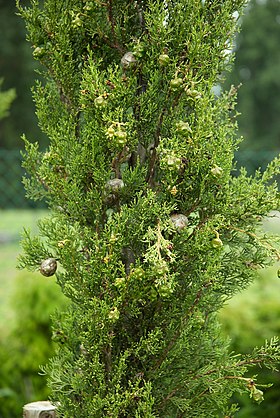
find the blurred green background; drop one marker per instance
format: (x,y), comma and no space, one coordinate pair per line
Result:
(27,300)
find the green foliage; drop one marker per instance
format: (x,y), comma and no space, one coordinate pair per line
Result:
(6,98)
(28,343)
(150,231)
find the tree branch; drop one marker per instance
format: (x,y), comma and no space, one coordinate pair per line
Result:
(184,320)
(111,19)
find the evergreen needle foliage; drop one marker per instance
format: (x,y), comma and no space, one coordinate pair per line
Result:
(149,233)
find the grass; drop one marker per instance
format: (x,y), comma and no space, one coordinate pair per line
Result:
(12,223)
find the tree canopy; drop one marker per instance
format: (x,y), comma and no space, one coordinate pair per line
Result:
(149,233)
(257,67)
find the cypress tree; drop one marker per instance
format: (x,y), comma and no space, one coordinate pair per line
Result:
(149,233)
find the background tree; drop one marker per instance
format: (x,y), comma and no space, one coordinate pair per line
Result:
(149,234)
(17,68)
(257,68)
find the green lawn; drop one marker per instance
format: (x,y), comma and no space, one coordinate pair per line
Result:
(12,223)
